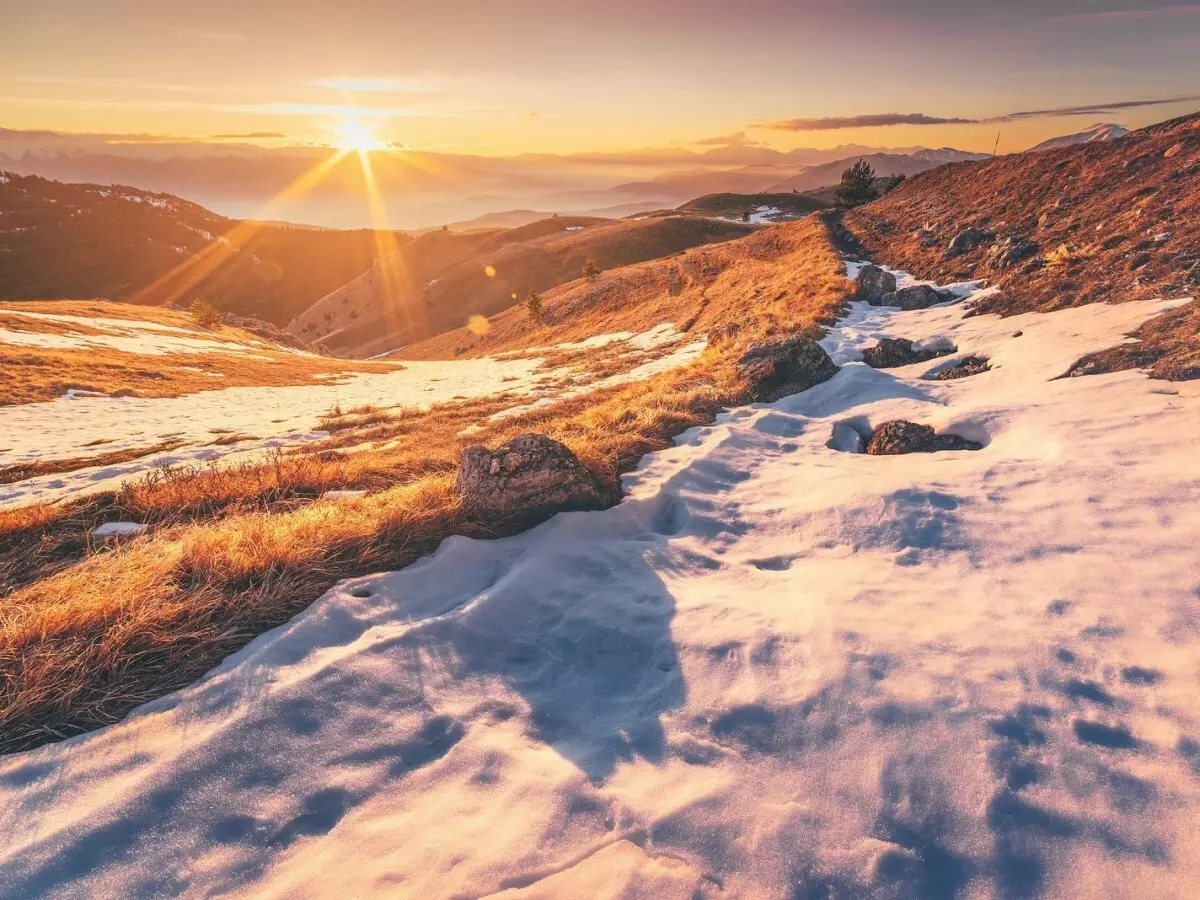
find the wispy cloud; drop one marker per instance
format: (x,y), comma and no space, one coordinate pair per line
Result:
(885,119)
(251,136)
(739,139)
(1141,14)
(207,34)
(383,85)
(879,120)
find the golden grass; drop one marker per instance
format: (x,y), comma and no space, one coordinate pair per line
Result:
(83,644)
(35,374)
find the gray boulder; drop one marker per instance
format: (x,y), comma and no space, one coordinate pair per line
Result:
(892,352)
(895,438)
(1011,250)
(529,478)
(917,296)
(783,366)
(872,283)
(967,240)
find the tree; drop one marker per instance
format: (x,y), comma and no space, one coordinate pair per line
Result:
(205,314)
(857,187)
(894,182)
(591,269)
(533,306)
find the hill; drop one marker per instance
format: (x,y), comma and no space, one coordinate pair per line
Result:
(755,207)
(1099,222)
(441,279)
(113,242)
(814,178)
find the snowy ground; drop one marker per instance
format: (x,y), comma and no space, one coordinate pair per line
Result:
(275,416)
(775,670)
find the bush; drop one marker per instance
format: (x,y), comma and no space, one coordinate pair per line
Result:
(894,182)
(205,314)
(591,269)
(857,187)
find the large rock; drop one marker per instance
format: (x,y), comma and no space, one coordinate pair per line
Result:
(872,283)
(895,438)
(967,240)
(917,296)
(892,352)
(529,478)
(1011,250)
(783,366)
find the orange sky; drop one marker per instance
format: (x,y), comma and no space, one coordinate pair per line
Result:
(541,76)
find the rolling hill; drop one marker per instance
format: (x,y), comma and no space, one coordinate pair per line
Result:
(441,279)
(112,242)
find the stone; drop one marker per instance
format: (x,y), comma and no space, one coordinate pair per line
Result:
(971,365)
(899,437)
(917,296)
(892,352)
(967,240)
(529,478)
(872,283)
(782,366)
(1011,250)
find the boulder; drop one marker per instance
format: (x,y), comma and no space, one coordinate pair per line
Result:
(967,240)
(892,352)
(1011,250)
(917,296)
(872,283)
(782,366)
(529,478)
(895,438)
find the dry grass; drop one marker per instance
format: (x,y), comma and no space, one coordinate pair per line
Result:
(35,374)
(81,646)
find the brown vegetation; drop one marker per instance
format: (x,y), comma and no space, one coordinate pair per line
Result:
(82,645)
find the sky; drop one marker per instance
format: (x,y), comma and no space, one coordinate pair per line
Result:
(566,76)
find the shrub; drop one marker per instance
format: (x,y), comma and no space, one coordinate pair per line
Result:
(591,269)
(894,182)
(857,187)
(205,314)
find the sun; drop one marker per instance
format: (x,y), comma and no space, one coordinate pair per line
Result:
(357,135)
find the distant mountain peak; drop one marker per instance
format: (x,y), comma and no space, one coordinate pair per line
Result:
(1101,131)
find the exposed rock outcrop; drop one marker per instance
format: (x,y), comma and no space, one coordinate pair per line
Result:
(967,240)
(971,365)
(892,352)
(1011,250)
(895,438)
(873,283)
(783,366)
(529,478)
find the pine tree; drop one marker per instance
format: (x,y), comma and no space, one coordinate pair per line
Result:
(857,187)
(533,306)
(591,269)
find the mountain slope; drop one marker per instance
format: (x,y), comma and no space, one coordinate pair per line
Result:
(885,165)
(441,279)
(112,242)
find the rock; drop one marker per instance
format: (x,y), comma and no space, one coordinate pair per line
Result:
(917,296)
(723,334)
(872,283)
(895,438)
(1011,250)
(782,366)
(846,439)
(967,240)
(892,352)
(529,478)
(971,365)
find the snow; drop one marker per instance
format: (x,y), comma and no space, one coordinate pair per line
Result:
(343,495)
(773,670)
(275,416)
(119,529)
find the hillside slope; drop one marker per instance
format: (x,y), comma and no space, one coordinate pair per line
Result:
(112,242)
(1103,222)
(814,178)
(441,279)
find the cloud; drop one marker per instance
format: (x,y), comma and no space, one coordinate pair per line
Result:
(384,85)
(886,119)
(729,140)
(251,136)
(205,34)
(832,123)
(1134,15)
